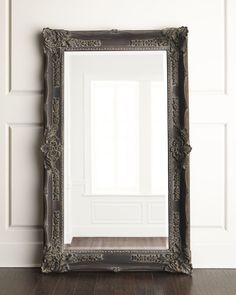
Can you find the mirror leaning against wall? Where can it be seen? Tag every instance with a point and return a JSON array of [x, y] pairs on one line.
[[116, 151]]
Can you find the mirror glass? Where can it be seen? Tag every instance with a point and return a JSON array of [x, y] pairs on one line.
[[115, 150]]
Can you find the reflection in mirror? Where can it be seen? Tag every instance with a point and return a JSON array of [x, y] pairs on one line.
[[115, 150]]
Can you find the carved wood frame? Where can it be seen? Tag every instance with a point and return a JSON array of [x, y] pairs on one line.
[[177, 257]]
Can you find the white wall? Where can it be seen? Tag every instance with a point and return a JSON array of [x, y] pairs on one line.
[[212, 50]]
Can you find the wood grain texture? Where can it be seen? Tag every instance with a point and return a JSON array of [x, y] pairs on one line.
[[22, 281], [90, 243]]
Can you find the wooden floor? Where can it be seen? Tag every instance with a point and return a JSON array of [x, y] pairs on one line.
[[98, 243], [25, 281]]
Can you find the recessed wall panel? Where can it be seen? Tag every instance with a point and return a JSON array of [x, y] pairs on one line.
[[25, 175], [208, 197]]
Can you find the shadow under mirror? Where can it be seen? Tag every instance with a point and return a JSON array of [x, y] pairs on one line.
[[115, 150]]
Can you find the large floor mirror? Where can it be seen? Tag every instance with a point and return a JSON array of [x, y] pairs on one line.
[[116, 151]]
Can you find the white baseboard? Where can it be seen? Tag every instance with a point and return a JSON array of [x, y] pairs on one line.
[[20, 254]]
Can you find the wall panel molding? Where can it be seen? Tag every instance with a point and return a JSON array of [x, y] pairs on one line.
[[19, 184], [97, 210], [9, 69], [213, 136]]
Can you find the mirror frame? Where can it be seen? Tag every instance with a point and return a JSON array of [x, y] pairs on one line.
[[177, 258]]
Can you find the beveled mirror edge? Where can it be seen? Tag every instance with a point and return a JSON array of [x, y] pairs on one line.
[[177, 258]]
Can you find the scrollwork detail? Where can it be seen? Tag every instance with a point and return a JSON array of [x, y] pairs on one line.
[[52, 146], [177, 259], [55, 40], [56, 228], [63, 39], [174, 261], [52, 149], [147, 43], [176, 36], [177, 44], [176, 185], [180, 147], [57, 260]]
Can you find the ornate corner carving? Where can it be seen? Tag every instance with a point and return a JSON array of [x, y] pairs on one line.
[[176, 36], [63, 39], [55, 40], [57, 260], [179, 262], [53, 260], [176, 258], [177, 40], [174, 261]]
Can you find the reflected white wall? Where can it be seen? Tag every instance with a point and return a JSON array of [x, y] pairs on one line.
[[115, 144]]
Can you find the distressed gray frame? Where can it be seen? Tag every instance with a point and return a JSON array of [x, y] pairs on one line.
[[57, 258]]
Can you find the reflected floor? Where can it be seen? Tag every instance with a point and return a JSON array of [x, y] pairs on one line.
[[102, 243]]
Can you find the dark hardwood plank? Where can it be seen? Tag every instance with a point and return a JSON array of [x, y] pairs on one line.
[[202, 282], [143, 283], [114, 283], [174, 284], [46, 284], [85, 283], [18, 281], [24, 281], [67, 284]]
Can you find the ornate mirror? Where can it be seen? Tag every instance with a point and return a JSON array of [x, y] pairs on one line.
[[116, 151]]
